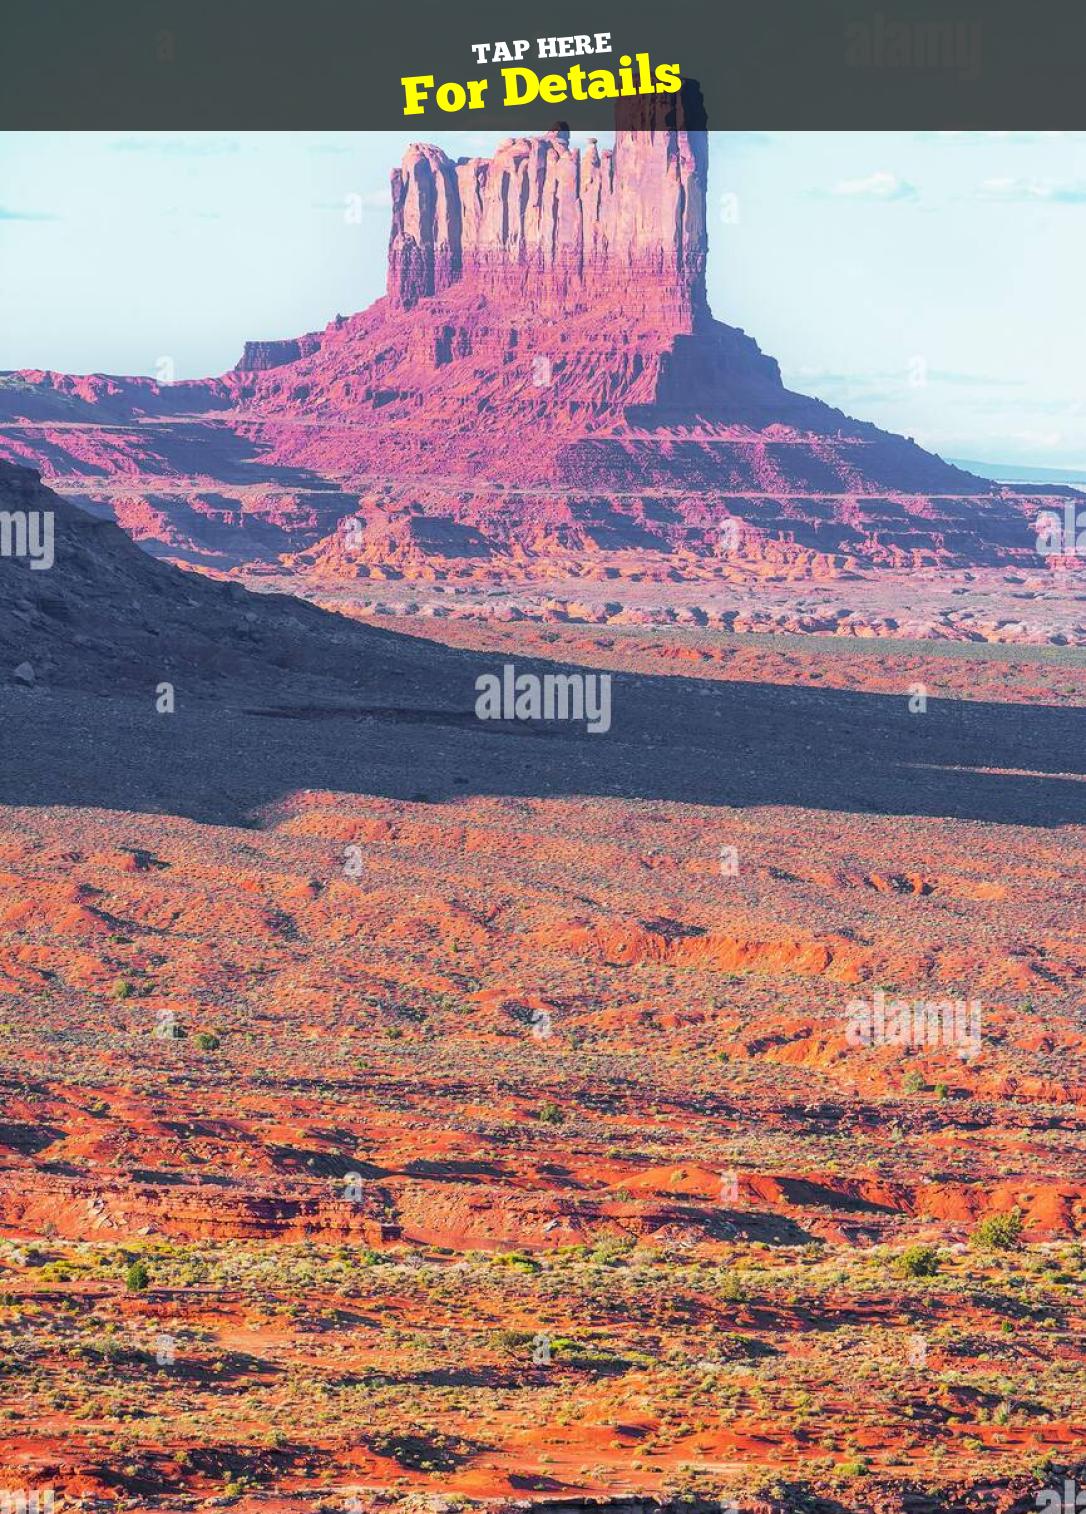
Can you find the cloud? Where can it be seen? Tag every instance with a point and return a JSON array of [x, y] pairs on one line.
[[474, 143], [1023, 138], [1033, 191], [908, 385], [196, 146], [732, 139], [1039, 441], [880, 185], [26, 215], [975, 380], [891, 375], [191, 213]]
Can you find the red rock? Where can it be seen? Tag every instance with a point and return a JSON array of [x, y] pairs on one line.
[[546, 330], [544, 222], [258, 356]]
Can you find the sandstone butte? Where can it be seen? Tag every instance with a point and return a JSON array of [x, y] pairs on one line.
[[543, 378]]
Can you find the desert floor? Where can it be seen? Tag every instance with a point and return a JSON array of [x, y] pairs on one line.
[[479, 1102]]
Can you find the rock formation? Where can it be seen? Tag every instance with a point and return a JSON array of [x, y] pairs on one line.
[[560, 229], [546, 328], [257, 356]]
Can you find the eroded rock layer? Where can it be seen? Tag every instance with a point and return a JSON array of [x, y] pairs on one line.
[[544, 375]]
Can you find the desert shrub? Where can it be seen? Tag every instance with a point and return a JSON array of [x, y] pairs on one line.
[[913, 1082], [596, 1357], [137, 1277], [59, 1271], [919, 1261], [206, 1040], [122, 989], [611, 1248], [998, 1232], [549, 1113], [520, 1261], [731, 1288], [733, 1347], [513, 1343], [422, 1451]]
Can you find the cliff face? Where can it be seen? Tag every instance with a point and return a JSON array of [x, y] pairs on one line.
[[546, 328], [257, 357], [623, 226]]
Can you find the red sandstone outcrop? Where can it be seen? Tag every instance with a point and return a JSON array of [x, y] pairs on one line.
[[543, 376], [547, 322], [257, 356], [541, 220]]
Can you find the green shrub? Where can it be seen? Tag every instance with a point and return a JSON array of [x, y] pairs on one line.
[[137, 1277], [611, 1248], [513, 1343], [731, 1289], [998, 1232], [919, 1261], [57, 1272], [520, 1261], [206, 1040], [550, 1113]]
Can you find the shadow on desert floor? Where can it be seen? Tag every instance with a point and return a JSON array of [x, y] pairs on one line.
[[672, 739]]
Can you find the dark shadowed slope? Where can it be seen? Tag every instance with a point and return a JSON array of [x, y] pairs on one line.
[[273, 695], [105, 616]]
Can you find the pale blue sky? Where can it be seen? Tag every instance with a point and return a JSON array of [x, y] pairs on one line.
[[931, 282]]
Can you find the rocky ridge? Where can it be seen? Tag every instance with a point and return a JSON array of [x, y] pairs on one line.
[[543, 381]]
